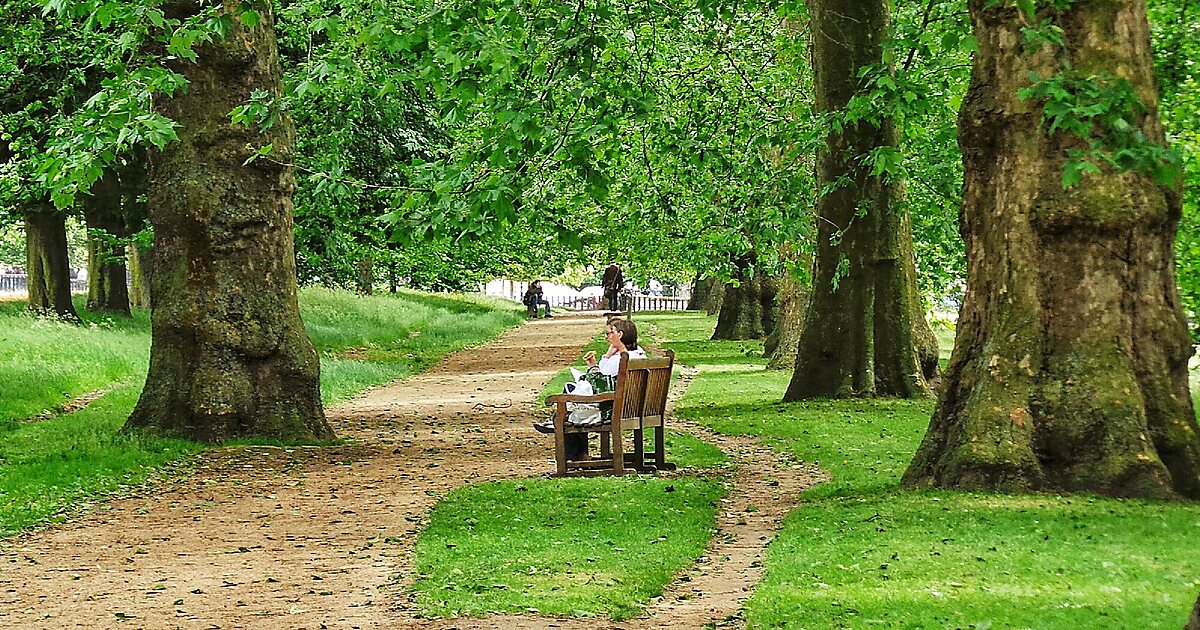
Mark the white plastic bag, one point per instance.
(582, 414)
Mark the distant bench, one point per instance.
(639, 402)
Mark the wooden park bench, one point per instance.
(638, 403)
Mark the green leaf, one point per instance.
(1028, 8)
(250, 18)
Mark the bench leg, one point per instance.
(639, 449)
(660, 449)
(560, 440)
(618, 451)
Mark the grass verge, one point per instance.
(863, 553)
(47, 467)
(590, 547)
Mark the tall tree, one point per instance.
(108, 290)
(748, 307)
(229, 355)
(47, 265)
(864, 332)
(1070, 364)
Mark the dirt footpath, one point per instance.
(320, 537)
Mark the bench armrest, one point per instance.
(576, 398)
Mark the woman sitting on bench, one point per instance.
(622, 336)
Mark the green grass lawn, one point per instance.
(51, 465)
(584, 547)
(862, 553)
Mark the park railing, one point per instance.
(19, 283)
(627, 301)
(639, 303)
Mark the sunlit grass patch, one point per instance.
(45, 363)
(956, 560)
(572, 547)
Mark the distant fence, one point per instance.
(635, 302)
(19, 283)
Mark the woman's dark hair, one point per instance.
(628, 331)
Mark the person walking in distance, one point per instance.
(613, 281)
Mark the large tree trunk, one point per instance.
(1069, 371)
(783, 342)
(229, 355)
(47, 265)
(706, 292)
(748, 311)
(1194, 621)
(864, 332)
(107, 287)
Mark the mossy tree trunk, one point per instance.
(864, 332)
(1069, 370)
(108, 290)
(140, 263)
(229, 355)
(748, 310)
(49, 271)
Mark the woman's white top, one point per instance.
(609, 366)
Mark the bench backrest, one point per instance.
(642, 386)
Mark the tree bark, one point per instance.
(716, 299)
(706, 292)
(49, 271)
(748, 311)
(1069, 370)
(107, 286)
(229, 355)
(140, 265)
(782, 344)
(864, 332)
(1194, 621)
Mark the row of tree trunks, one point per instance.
(864, 332)
(1069, 370)
(102, 211)
(49, 278)
(229, 355)
(748, 310)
